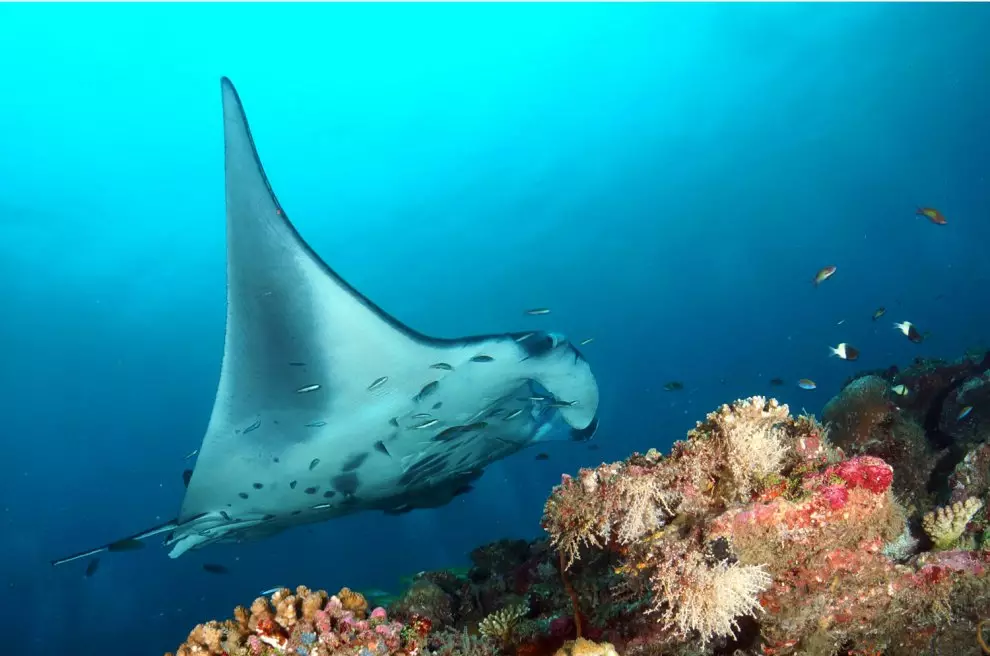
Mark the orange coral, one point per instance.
(354, 602)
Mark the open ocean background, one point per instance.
(666, 178)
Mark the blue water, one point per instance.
(666, 178)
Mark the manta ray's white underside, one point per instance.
(327, 405)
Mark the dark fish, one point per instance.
(673, 386)
(542, 456)
(436, 406)
(257, 486)
(186, 477)
(215, 569)
(127, 544)
(292, 484)
(776, 382)
(378, 382)
(92, 567)
(879, 313)
(443, 366)
(297, 364)
(242, 495)
(313, 463)
(329, 494)
(482, 358)
(316, 424)
(311, 490)
(255, 426)
(224, 514)
(428, 389)
(380, 446)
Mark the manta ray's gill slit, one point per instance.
(346, 483)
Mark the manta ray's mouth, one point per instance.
(328, 405)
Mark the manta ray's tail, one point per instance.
(129, 543)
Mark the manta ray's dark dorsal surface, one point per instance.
(327, 405)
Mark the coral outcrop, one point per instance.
(307, 623)
(798, 555)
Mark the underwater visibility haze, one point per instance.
(645, 211)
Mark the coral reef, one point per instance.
(760, 533)
(308, 623)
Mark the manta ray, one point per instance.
(327, 405)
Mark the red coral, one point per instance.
(865, 471)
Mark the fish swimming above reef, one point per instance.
(302, 351)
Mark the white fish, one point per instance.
(899, 390)
(308, 388)
(191, 454)
(271, 591)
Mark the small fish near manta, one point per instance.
(312, 418)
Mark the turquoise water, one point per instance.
(666, 178)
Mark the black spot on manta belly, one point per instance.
(257, 486)
(355, 461)
(346, 483)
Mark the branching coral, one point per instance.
(500, 625)
(946, 525)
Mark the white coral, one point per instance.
(709, 598)
(753, 433)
